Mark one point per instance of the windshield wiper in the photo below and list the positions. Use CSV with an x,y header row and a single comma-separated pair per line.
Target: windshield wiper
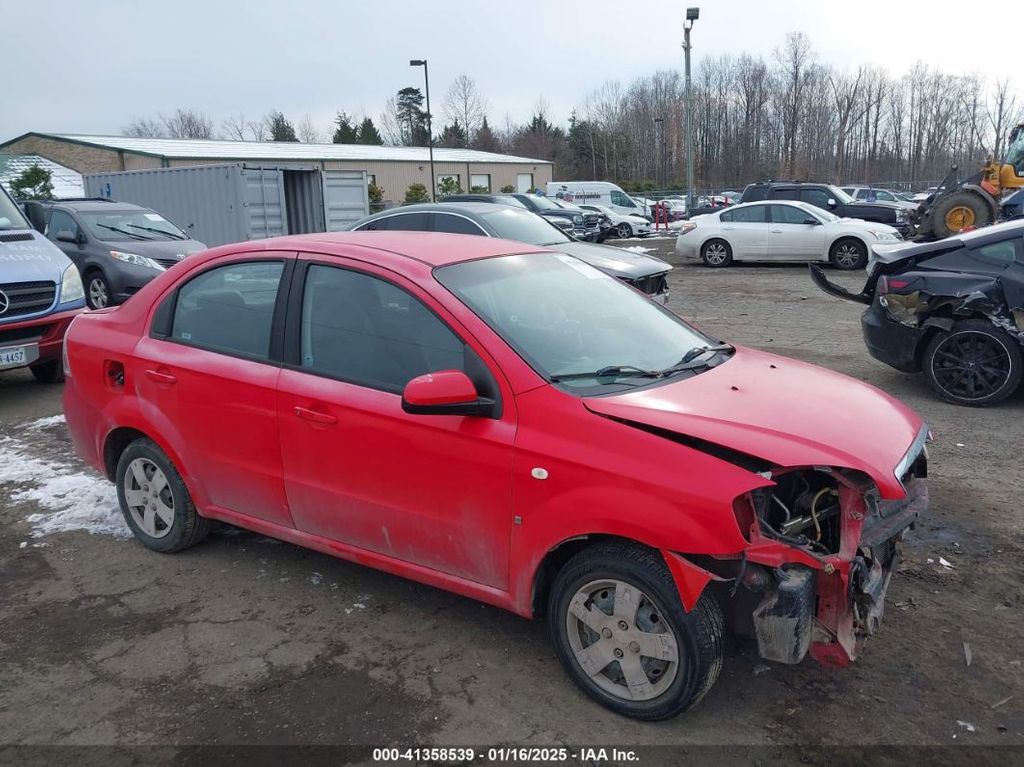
x,y
690,360
172,235
136,235
608,371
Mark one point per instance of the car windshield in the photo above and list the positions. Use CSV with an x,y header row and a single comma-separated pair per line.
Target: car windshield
x,y
523,226
573,323
114,225
840,195
10,214
543,203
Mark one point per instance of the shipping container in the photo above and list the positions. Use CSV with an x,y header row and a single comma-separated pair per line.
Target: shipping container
x,y
234,202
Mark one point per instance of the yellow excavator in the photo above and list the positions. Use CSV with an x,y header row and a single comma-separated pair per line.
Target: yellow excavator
x,y
960,205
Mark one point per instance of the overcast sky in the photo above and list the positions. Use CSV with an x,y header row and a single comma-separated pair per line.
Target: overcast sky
x,y
92,66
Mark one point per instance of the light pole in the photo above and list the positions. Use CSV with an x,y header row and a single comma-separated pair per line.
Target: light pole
x,y
692,14
659,122
430,130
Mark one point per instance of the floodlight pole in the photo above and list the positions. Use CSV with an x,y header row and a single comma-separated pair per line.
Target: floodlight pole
x,y
692,14
430,130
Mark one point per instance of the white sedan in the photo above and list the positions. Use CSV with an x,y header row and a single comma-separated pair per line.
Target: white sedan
x,y
780,230
625,225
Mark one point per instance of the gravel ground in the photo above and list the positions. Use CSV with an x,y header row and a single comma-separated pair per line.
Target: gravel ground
x,y
247,640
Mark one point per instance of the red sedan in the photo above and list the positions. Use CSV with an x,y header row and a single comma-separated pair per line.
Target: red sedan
x,y
517,427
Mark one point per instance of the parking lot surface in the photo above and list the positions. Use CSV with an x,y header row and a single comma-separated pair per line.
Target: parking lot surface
x,y
247,640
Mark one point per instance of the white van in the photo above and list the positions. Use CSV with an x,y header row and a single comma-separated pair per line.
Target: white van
x,y
596,193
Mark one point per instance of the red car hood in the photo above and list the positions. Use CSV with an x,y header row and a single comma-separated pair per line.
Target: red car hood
x,y
787,412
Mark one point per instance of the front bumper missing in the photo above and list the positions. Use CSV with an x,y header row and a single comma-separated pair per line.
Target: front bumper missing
x,y
830,608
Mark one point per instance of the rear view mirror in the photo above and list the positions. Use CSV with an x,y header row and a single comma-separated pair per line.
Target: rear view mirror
x,y
448,392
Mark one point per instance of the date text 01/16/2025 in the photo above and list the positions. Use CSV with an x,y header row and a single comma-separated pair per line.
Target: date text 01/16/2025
x,y
458,754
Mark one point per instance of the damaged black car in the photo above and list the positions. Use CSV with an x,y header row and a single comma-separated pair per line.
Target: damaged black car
x,y
953,309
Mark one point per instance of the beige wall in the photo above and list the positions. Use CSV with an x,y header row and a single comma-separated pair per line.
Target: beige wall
x,y
394,177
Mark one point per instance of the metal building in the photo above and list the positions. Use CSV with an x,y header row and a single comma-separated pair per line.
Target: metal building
x,y
392,168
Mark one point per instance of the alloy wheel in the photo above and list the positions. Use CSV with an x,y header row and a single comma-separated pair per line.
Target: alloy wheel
x,y
625,230
98,295
970,365
149,498
621,640
715,253
847,255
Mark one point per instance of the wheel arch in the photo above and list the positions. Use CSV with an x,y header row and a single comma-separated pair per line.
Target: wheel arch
x,y
690,579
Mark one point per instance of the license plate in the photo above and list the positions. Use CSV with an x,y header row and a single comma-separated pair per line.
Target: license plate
x,y
13,356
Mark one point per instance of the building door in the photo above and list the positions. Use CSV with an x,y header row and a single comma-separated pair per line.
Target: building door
x,y
524,182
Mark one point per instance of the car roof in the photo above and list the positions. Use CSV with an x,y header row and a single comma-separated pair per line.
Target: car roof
x,y
431,248
458,206
92,206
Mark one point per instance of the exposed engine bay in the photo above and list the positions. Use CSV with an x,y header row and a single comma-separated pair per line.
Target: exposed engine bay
x,y
802,509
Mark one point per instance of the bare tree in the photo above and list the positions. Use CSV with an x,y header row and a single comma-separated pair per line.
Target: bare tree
x,y
144,128
1002,111
849,109
464,104
307,131
794,59
187,123
235,128
391,125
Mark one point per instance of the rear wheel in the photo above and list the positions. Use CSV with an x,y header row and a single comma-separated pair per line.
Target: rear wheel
x,y
48,372
716,253
620,630
974,364
848,254
154,500
959,211
97,290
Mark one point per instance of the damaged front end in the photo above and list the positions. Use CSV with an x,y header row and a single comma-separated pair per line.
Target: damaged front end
x,y
823,548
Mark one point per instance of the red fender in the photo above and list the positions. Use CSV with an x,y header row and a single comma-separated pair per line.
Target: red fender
x,y
690,579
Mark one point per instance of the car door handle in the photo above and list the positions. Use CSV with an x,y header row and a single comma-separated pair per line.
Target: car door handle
x,y
776,231
161,376
728,228
315,416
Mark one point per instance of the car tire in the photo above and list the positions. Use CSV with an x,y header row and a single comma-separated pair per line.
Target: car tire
x,y
961,210
624,230
716,253
97,290
51,372
848,254
661,687
974,364
154,500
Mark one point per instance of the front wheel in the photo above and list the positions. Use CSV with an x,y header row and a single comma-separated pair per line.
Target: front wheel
x,y
97,291
716,253
625,230
849,254
974,364
619,628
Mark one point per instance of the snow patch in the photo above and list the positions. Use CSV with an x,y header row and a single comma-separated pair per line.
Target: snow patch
x,y
69,499
639,249
45,423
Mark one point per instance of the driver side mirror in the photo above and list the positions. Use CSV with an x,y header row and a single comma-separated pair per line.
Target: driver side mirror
x,y
831,202
66,235
810,221
448,392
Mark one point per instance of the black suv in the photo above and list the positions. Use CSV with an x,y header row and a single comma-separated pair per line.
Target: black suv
x,y
835,201
585,225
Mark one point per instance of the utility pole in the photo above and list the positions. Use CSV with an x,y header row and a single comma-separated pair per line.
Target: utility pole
x,y
692,14
430,129
659,122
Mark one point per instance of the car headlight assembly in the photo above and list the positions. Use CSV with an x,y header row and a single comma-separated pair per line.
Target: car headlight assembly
x,y
71,288
136,260
881,235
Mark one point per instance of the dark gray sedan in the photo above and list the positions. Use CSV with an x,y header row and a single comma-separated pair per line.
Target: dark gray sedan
x,y
646,273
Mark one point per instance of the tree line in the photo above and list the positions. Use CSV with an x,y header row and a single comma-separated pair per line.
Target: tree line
x,y
790,115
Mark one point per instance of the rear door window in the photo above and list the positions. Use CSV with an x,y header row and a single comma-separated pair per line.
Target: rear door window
x,y
229,308
755,214
447,222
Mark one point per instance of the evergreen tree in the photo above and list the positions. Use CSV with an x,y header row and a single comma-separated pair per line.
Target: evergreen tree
x,y
485,140
411,117
34,183
416,193
345,132
280,128
453,136
368,133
